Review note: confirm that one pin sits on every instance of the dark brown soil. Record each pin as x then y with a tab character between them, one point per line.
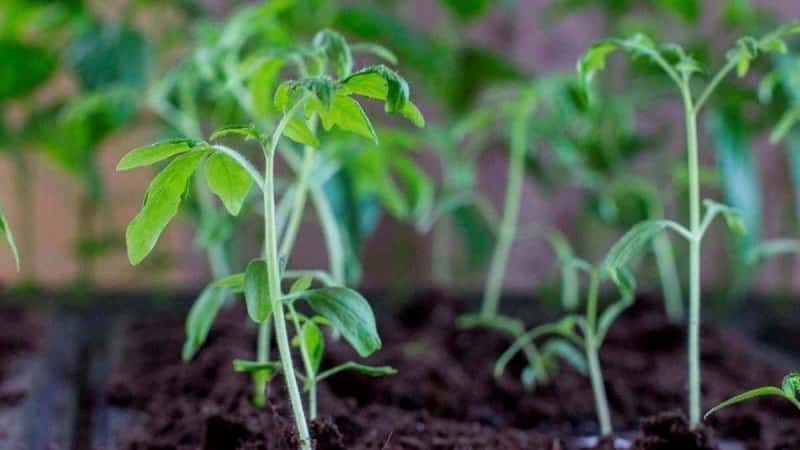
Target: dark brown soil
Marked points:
444	396
20	335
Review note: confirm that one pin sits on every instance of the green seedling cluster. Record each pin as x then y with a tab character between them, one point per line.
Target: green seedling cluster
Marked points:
788	390
327	93
681	67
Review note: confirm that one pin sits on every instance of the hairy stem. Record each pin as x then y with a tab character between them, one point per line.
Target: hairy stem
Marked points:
508	224
595	373
694	256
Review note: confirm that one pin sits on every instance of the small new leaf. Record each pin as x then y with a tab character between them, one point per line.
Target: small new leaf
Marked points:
297	130
228	180
334	46
151	154
350	314
200	319
256	291
380	83
593	61
314	344
161	203
301	284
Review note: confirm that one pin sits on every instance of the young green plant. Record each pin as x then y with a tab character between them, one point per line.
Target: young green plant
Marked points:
231	176
680	67
578	338
789	390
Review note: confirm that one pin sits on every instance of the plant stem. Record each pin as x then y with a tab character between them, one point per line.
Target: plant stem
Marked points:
670	281
260	385
595	372
508	225
300	197
274	279
694	256
311	381
24	193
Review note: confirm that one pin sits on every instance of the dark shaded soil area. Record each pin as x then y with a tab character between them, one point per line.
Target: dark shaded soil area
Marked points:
444	396
21	334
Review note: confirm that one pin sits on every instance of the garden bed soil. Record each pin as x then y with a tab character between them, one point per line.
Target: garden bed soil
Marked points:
38	373
444	396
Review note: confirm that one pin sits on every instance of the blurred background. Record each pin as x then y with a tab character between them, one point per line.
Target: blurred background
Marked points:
83	82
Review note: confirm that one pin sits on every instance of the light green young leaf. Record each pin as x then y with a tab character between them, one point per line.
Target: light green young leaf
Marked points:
412	113
297	130
161	203
745	52
570	284
634	242
334	46
200	319
375	49
5	231
371	371
256	291
348	115
301	284
314	344
732	217
791	385
246	131
228	180
234	282
766	391
153	153
381	83
567	351
350	314
262	83
593	61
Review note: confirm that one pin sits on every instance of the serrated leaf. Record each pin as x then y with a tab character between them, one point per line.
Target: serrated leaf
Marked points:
334	46
161	202
297	130
5	231
347	114
766	391
228	180
262	84
256	290
153	153
200	319
245	131
381	83
350	314
301	284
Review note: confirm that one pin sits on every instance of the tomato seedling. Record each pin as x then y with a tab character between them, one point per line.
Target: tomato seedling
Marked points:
680	67
315	96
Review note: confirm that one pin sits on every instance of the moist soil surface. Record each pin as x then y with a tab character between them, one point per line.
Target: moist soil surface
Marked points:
21	334
444	396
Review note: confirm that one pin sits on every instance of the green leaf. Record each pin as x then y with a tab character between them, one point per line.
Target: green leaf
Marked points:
567	351
732	216
350	314
466	9
610	314
200	319
235	282
334	46
256	290
314	344
161	202
633	243
593	61
5	231
791	385
153	153
245	131
348	115
766	391
243	365
381	83
262	83
110	54
228	180
301	284
688	10
371	371
570	284
297	130
412	113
